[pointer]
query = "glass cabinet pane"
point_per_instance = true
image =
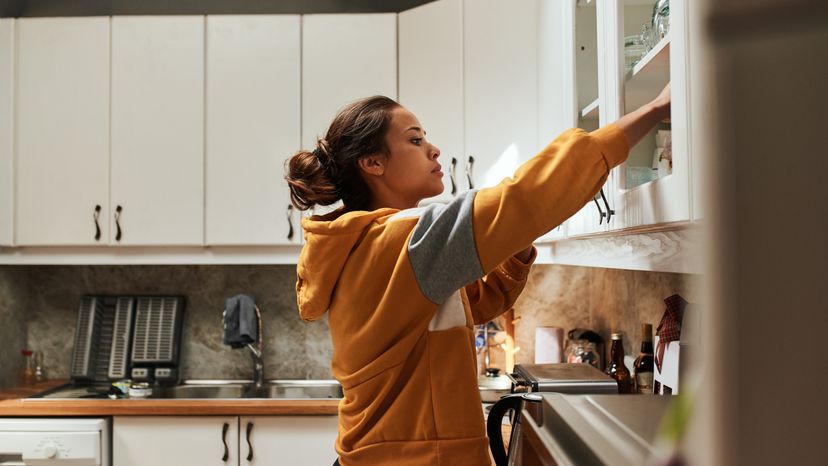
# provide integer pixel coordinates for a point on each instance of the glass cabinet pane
(647, 70)
(586, 64)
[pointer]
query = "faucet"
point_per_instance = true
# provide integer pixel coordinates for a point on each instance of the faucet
(256, 353)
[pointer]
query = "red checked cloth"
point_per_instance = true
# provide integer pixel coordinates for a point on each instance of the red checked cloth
(669, 329)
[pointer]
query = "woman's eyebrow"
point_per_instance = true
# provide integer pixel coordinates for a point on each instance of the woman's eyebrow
(415, 128)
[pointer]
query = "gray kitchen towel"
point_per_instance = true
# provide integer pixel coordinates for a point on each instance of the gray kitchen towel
(241, 326)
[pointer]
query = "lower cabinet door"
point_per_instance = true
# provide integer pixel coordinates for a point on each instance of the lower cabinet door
(175, 440)
(287, 440)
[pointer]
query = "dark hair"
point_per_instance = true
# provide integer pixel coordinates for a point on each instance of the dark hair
(331, 172)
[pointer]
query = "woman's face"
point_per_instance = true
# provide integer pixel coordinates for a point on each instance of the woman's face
(411, 168)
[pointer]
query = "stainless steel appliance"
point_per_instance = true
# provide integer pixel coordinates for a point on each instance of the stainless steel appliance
(55, 441)
(611, 430)
(529, 381)
(561, 378)
(124, 337)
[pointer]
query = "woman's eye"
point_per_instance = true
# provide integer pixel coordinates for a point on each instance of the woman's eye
(417, 141)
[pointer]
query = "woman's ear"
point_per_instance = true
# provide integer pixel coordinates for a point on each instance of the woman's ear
(372, 164)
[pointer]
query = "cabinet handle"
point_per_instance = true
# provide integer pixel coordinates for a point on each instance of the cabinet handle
(290, 222)
(469, 167)
(598, 206)
(610, 212)
(97, 226)
(249, 446)
(224, 441)
(452, 174)
(118, 223)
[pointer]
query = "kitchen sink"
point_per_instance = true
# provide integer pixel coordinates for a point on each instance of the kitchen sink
(281, 389)
(216, 390)
(291, 389)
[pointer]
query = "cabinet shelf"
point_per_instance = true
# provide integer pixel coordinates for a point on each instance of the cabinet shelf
(648, 76)
(590, 112)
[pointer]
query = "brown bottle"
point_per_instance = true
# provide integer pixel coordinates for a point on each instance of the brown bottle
(643, 366)
(616, 368)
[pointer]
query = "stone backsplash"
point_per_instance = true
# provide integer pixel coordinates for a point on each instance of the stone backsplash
(45, 306)
(38, 309)
(604, 300)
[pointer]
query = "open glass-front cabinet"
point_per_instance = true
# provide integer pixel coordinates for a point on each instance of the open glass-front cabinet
(646, 43)
(586, 54)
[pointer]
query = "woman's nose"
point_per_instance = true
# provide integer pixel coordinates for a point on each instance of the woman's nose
(435, 151)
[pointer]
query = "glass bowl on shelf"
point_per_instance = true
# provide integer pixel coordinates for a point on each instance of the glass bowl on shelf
(634, 49)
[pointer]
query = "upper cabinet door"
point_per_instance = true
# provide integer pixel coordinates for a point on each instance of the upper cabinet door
(583, 51)
(648, 188)
(6, 130)
(344, 58)
(501, 88)
(62, 131)
(431, 81)
(158, 130)
(253, 126)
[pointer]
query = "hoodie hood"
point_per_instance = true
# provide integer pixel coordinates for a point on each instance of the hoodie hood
(329, 241)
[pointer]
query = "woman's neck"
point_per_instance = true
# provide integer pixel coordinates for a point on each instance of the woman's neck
(393, 201)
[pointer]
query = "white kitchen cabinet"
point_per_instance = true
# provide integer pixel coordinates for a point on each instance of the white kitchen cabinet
(288, 440)
(475, 91)
(223, 440)
(253, 121)
(631, 200)
(582, 52)
(665, 199)
(344, 58)
(6, 130)
(555, 48)
(157, 153)
(501, 88)
(62, 131)
(431, 81)
(175, 440)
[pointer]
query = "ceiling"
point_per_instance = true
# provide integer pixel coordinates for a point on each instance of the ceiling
(32, 8)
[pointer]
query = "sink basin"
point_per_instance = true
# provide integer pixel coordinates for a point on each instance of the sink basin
(292, 389)
(281, 389)
(205, 391)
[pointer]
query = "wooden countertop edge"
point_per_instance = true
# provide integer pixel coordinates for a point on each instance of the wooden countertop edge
(41, 407)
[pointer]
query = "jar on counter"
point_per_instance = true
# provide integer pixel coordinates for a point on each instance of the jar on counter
(584, 352)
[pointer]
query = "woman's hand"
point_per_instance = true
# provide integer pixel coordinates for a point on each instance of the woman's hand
(662, 103)
(638, 123)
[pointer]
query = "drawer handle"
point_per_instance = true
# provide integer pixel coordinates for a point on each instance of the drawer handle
(249, 446)
(224, 441)
(452, 175)
(118, 223)
(469, 167)
(600, 212)
(610, 212)
(97, 225)
(290, 222)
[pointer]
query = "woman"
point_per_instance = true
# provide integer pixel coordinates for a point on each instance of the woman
(404, 285)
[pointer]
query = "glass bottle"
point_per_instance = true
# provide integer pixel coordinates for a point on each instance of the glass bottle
(27, 374)
(616, 368)
(643, 366)
(40, 374)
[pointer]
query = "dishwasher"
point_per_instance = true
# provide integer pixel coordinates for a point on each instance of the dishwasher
(55, 441)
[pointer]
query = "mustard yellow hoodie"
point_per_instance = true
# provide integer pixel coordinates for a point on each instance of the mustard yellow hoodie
(403, 290)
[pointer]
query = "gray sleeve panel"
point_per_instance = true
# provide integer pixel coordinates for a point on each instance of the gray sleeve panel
(442, 249)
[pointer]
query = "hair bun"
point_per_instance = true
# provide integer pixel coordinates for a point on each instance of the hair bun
(309, 180)
(323, 153)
